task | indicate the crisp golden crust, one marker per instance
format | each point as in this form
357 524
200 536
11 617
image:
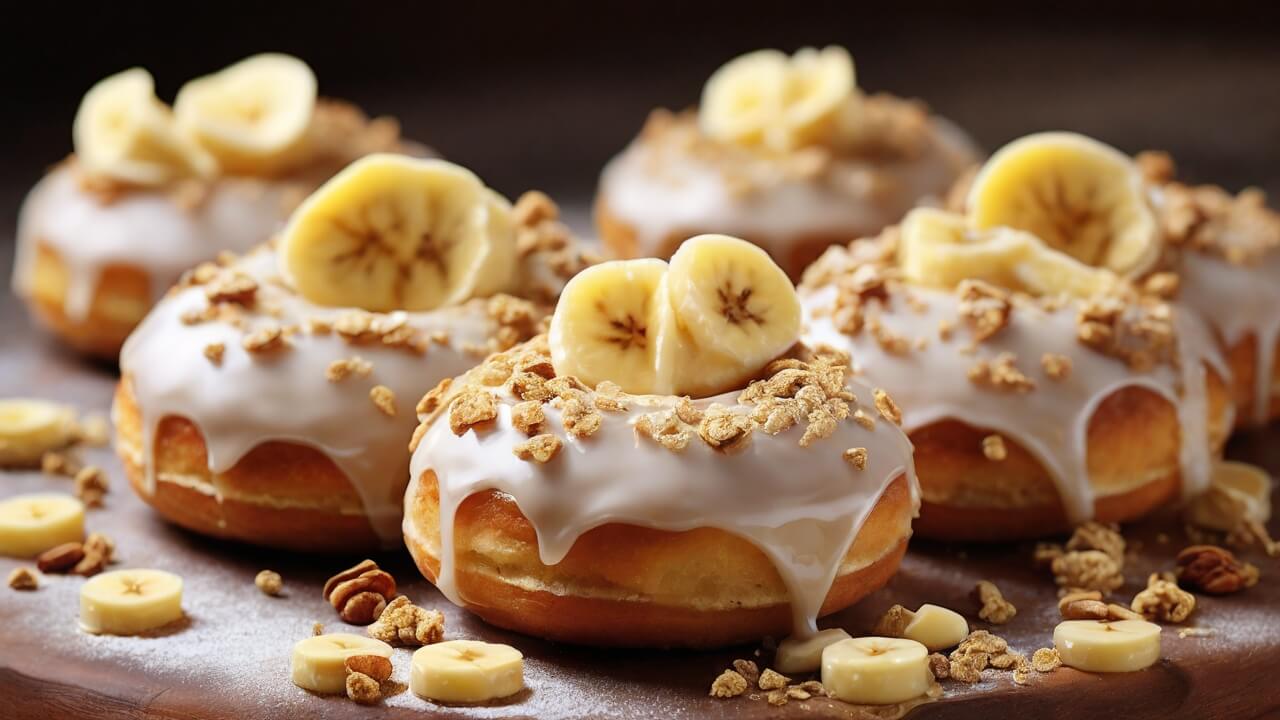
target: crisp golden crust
1243 360
120 301
1133 462
620 239
280 494
623 585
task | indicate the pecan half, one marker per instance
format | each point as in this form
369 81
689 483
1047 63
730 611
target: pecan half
1214 570
360 593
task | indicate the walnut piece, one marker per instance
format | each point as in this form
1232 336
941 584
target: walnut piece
771 679
1087 570
729 684
1214 570
23 578
1097 536
363 689
403 623
91 485
939 666
269 582
894 622
995 609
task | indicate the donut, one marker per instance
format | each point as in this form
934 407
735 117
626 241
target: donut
854 167
249 412
636 525
98 246
1029 413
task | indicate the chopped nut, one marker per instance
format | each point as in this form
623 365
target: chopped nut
363 689
98 551
91 485
1096 536
1071 597
375 666
317 628
360 593
22 578
665 428
728 684
777 697
984 307
1084 610
384 399
470 408
993 448
967 668
527 416
796 692
579 419
340 370
770 679
1046 660
1163 601
995 609
1087 570
1000 374
539 448
60 558
265 340
894 622
1057 367
269 582
403 623
1120 612
747 669
813 687
56 463
214 351
857 457
939 666
1214 570
231 287
887 407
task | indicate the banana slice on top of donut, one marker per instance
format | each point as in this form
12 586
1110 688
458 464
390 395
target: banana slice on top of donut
1076 194
398 233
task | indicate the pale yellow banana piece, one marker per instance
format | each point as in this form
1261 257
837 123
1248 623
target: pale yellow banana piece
939 249
1238 492
253 116
804 655
129 602
819 85
736 306
30 428
31 524
1076 194
318 663
606 323
124 132
876 670
398 233
743 99
936 627
466 671
1096 646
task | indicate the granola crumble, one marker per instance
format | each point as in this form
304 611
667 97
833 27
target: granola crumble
214 351
1088 570
340 370
471 407
887 407
403 623
729 684
1046 660
857 457
894 622
91 485
384 399
23 578
1057 367
995 609
770 679
539 448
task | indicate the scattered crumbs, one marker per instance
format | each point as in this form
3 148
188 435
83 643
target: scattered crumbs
995 609
888 408
1057 367
339 370
23 578
384 399
729 684
993 448
213 352
857 457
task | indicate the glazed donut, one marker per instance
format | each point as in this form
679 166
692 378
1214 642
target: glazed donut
246 411
1029 415
601 529
794 196
95 252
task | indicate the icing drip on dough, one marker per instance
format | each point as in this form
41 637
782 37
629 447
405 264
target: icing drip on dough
801 506
1051 421
144 229
250 399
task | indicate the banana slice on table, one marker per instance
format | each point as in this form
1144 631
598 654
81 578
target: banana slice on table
1238 493
253 116
936 627
1120 646
129 602
1076 194
123 131
876 670
804 655
466 671
940 249
31 524
318 663
398 233
767 98
30 428
606 325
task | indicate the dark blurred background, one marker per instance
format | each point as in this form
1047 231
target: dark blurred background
541 94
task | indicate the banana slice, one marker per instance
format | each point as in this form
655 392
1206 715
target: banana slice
30 428
129 602
734 302
31 524
876 670
398 233
766 98
804 655
936 627
466 671
1120 646
253 116
606 322
1238 492
123 131
318 663
1076 194
940 249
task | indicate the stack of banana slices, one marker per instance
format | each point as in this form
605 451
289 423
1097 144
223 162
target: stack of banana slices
250 118
701 325
1049 213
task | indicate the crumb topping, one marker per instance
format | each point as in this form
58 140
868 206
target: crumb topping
405 624
539 448
994 608
384 399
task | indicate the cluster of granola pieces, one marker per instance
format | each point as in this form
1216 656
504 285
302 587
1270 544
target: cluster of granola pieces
778 689
543 240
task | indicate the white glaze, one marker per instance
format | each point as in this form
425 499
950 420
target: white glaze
1238 301
146 229
801 506
1051 421
251 399
661 189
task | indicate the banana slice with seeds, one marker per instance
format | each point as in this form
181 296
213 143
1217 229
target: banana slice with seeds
397 233
253 116
123 131
1076 194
